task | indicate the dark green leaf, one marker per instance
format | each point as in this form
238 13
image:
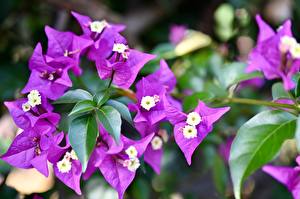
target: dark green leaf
74 96
191 101
83 132
123 110
278 91
297 81
257 142
101 97
82 107
111 120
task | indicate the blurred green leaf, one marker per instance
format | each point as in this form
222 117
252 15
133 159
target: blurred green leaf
278 91
83 132
257 142
220 175
191 101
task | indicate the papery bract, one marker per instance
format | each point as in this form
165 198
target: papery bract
31 147
269 57
68 45
110 159
208 117
288 176
50 77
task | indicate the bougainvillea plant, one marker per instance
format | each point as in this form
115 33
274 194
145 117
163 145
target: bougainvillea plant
96 140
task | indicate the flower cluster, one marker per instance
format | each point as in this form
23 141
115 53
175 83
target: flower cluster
277 54
41 144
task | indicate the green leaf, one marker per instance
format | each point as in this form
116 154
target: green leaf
247 76
278 91
83 132
111 120
101 97
74 96
297 135
220 175
297 89
191 101
257 142
123 110
82 107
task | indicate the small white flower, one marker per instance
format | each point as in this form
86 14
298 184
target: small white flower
148 102
26 107
193 119
64 166
132 164
34 98
295 51
189 132
98 26
73 155
286 43
120 48
156 143
131 152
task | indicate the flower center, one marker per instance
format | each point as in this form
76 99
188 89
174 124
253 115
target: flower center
189 131
131 152
286 44
34 98
65 165
149 102
51 76
98 26
193 119
156 143
132 164
121 49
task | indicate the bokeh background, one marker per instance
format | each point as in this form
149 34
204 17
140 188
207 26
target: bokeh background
231 26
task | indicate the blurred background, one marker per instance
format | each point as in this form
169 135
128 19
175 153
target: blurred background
225 32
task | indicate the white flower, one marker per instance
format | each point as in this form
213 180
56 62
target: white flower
156 143
73 155
120 48
193 119
26 107
148 102
98 26
132 164
34 98
64 166
131 152
295 51
286 43
189 132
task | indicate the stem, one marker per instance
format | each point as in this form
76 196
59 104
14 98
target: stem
261 102
111 79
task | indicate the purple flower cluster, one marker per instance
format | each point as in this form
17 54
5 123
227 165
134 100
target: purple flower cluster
277 54
41 145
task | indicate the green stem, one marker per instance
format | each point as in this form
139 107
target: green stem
261 102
